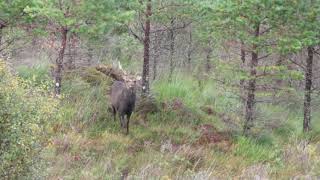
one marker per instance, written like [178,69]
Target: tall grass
[193,95]
[85,101]
[184,89]
[87,143]
[255,152]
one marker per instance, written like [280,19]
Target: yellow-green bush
[25,112]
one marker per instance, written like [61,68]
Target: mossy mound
[183,112]
[146,105]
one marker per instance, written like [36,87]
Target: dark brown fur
[122,102]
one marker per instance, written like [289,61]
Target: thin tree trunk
[59,62]
[1,29]
[243,59]
[72,52]
[171,50]
[208,59]
[90,55]
[243,53]
[189,54]
[280,63]
[242,81]
[278,81]
[250,104]
[308,91]
[146,55]
[156,55]
[155,64]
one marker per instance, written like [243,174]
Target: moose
[123,97]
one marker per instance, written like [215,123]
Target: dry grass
[113,155]
[171,144]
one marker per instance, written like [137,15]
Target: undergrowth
[86,143]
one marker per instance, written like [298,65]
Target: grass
[86,143]
[254,151]
[185,90]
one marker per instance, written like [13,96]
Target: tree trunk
[72,53]
[156,48]
[208,58]
[189,54]
[250,104]
[279,63]
[243,53]
[171,50]
[146,55]
[243,59]
[90,55]
[242,81]
[278,80]
[308,91]
[1,28]
[59,62]
[155,64]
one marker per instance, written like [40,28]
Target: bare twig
[294,62]
[140,39]
[265,56]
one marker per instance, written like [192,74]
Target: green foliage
[104,15]
[11,12]
[36,76]
[24,116]
[254,152]
[302,26]
[123,50]
[86,143]
[89,18]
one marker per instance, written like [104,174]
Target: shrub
[37,76]
[25,110]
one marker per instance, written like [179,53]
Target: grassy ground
[195,135]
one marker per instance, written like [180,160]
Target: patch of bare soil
[228,120]
[209,135]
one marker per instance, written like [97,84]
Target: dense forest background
[225,89]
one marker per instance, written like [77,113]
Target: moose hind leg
[127,124]
[122,121]
[114,112]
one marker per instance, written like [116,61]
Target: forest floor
[195,134]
